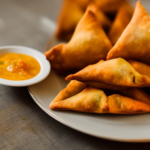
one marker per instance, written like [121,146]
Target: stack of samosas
[108,56]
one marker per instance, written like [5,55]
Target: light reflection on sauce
[14,66]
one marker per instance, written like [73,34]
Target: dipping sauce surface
[15,66]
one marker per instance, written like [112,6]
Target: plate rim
[77,129]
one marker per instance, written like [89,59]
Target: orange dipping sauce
[15,66]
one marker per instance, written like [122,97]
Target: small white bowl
[44,63]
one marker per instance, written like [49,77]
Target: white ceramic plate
[131,128]
[45,65]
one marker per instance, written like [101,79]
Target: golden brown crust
[134,41]
[104,86]
[137,94]
[123,105]
[69,16]
[101,17]
[109,6]
[74,87]
[114,72]
[89,100]
[140,67]
[79,52]
[83,3]
[93,100]
[122,19]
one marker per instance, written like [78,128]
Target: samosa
[101,17]
[112,72]
[69,16]
[110,7]
[89,100]
[140,67]
[106,86]
[123,105]
[136,93]
[74,87]
[122,19]
[88,45]
[93,100]
[134,41]
[83,3]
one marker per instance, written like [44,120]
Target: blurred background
[27,23]
[31,23]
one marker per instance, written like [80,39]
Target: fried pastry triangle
[134,41]
[140,67]
[114,72]
[74,87]
[121,21]
[70,15]
[136,93]
[101,17]
[93,100]
[105,86]
[88,45]
[123,105]
[89,100]
[83,3]
[111,7]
